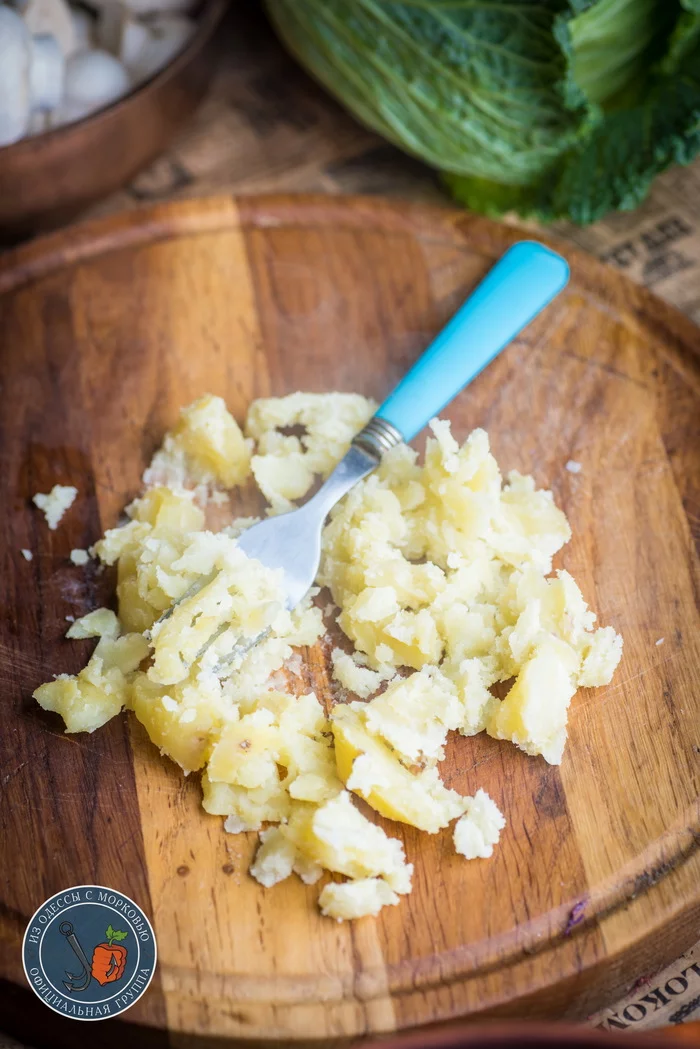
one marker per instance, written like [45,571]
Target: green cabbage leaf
[554,108]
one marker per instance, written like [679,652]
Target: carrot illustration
[109,959]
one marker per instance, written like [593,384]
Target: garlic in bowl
[124,82]
[79,59]
[92,80]
[51,18]
[31,75]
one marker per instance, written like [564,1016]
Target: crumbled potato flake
[55,503]
[479,829]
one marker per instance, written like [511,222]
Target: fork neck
[378,436]
[355,464]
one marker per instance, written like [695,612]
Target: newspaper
[657,245]
[668,997]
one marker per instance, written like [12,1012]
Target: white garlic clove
[168,36]
[46,73]
[94,79]
[15,61]
[51,17]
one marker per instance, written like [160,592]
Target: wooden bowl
[47,179]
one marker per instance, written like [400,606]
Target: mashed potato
[442,574]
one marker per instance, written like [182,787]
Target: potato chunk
[534,713]
[338,837]
[89,699]
[205,446]
[183,720]
[356,899]
[367,766]
[480,827]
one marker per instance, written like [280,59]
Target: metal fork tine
[241,649]
[191,591]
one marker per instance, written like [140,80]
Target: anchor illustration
[79,981]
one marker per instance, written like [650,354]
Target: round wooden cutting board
[105,331]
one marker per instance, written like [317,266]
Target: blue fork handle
[518,287]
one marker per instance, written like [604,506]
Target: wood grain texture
[105,332]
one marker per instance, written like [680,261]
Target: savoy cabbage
[554,108]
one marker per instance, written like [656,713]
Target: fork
[520,285]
